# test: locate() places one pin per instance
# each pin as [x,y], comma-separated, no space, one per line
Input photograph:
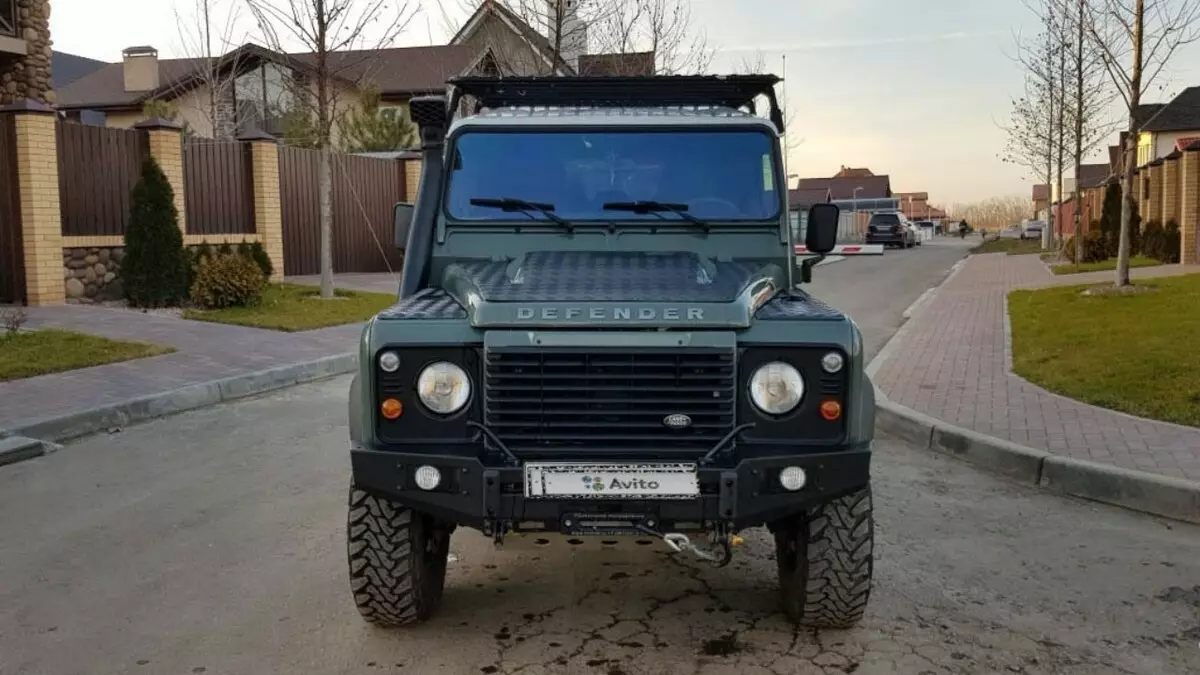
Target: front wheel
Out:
[825,559]
[397,559]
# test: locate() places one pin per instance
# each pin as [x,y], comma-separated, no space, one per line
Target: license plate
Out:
[610,481]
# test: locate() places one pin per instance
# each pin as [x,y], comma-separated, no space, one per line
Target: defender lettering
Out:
[612,313]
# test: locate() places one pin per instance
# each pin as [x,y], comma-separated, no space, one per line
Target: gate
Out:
[12,253]
[365,191]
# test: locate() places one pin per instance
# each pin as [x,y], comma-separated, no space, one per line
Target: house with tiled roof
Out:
[801,199]
[850,188]
[252,87]
[1169,127]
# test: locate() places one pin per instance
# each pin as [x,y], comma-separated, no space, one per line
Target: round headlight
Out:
[389,362]
[444,388]
[832,362]
[776,388]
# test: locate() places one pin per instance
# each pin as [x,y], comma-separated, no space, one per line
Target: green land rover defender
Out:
[600,339]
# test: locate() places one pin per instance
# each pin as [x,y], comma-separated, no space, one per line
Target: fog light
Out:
[428,477]
[792,478]
[832,362]
[831,410]
[391,409]
[389,362]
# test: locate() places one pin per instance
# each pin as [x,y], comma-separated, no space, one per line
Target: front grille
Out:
[602,399]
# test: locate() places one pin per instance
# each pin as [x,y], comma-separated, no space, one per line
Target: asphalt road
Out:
[875,291]
[213,542]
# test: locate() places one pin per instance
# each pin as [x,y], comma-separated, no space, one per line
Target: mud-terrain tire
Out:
[825,559]
[397,558]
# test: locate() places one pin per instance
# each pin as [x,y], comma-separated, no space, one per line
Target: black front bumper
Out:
[487,497]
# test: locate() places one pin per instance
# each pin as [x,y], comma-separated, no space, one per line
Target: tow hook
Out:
[719,556]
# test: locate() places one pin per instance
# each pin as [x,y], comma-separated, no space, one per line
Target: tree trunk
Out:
[324,168]
[1131,143]
[1079,137]
[1127,197]
[1048,231]
[1062,127]
[325,199]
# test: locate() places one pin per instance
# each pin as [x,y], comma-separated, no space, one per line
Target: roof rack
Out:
[731,91]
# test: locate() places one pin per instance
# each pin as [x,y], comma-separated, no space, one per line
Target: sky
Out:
[916,89]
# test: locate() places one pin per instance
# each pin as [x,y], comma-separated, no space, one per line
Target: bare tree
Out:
[1029,132]
[1091,97]
[663,27]
[1035,132]
[990,214]
[333,33]
[1136,40]
[209,35]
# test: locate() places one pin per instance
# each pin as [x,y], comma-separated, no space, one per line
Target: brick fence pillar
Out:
[166,147]
[1189,208]
[41,211]
[268,210]
[1170,188]
[1154,205]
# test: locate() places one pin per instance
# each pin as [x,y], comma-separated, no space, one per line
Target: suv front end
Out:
[596,366]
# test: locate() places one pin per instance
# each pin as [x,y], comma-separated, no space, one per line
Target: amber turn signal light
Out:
[391,409]
[831,410]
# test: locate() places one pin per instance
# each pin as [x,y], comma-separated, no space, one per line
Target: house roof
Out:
[847,172]
[634,63]
[1181,114]
[915,196]
[66,68]
[540,43]
[873,187]
[807,197]
[1092,175]
[397,71]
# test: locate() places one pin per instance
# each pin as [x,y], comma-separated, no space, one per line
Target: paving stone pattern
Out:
[205,352]
[952,360]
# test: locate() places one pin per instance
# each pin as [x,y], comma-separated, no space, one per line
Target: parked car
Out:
[890,228]
[1032,229]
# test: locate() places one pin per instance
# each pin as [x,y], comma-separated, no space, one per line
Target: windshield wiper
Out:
[643,207]
[524,206]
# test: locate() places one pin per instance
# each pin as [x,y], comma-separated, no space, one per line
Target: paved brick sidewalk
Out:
[205,352]
[952,361]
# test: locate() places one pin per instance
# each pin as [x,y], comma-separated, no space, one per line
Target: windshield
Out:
[885,219]
[718,175]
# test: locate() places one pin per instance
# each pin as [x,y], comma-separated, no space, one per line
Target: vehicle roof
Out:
[714,116]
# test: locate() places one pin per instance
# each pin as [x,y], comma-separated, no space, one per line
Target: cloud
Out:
[863,42]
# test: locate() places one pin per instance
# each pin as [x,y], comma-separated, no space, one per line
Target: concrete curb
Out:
[54,430]
[1164,496]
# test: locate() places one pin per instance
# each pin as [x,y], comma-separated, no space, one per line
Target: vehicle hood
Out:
[611,288]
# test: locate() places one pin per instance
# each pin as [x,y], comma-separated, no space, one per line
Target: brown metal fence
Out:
[12,257]
[218,184]
[97,170]
[365,191]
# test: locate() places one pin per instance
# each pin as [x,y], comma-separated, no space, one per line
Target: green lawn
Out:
[1009,246]
[1132,353]
[49,350]
[292,307]
[1103,265]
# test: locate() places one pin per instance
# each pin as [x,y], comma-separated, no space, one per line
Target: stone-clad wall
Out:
[29,76]
[93,274]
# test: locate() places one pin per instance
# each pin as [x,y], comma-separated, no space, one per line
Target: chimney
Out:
[141,68]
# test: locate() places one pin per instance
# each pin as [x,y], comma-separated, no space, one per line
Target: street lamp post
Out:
[855,198]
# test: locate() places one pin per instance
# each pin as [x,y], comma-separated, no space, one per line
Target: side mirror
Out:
[402,223]
[822,228]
